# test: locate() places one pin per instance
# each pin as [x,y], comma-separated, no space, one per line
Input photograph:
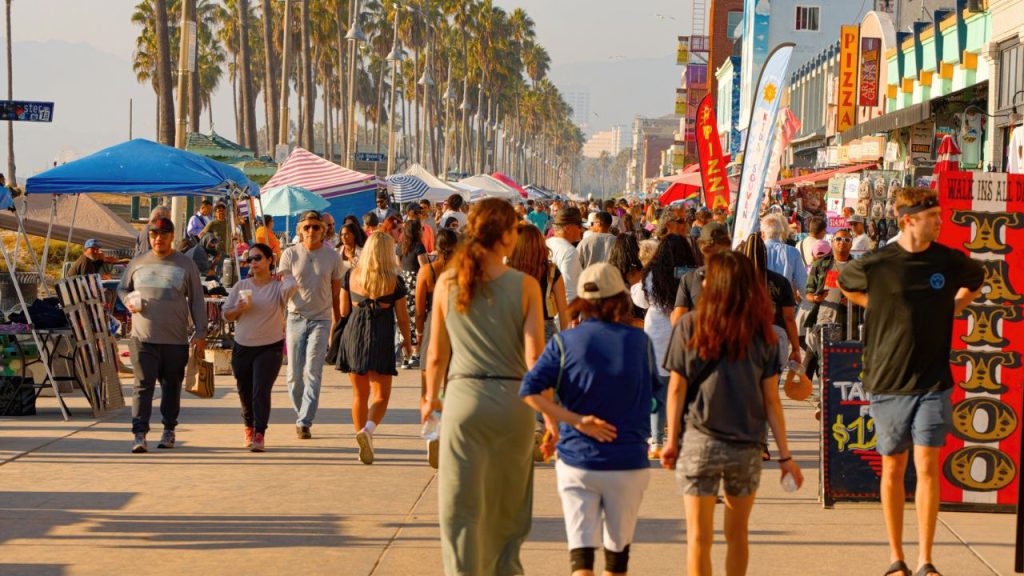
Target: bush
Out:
[54,258]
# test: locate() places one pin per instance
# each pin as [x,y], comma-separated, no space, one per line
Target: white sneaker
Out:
[365,441]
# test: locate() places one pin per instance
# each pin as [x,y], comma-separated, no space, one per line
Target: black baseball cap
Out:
[161,225]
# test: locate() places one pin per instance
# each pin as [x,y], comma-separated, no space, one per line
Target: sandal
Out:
[898,567]
[926,569]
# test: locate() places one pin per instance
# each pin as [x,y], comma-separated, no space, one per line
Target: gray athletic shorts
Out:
[906,420]
[706,462]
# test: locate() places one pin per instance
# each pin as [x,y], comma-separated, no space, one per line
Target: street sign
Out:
[371,157]
[21,111]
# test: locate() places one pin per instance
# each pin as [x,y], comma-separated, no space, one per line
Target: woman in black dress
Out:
[412,254]
[373,295]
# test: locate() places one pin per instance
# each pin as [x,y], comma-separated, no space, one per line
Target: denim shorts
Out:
[706,461]
[906,420]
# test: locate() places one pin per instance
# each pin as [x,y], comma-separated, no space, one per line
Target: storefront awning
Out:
[892,121]
[824,175]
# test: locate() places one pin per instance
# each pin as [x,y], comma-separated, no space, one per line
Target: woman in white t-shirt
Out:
[257,306]
[455,203]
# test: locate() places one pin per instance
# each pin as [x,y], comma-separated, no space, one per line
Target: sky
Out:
[77,54]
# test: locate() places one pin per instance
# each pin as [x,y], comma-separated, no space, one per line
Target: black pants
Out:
[256,368]
[158,362]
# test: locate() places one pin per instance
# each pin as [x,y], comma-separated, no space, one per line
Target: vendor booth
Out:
[348,191]
[136,167]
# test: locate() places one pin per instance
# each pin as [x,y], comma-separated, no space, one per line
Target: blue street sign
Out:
[371,157]
[21,111]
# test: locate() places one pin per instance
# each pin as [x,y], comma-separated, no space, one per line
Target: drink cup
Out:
[246,295]
[133,300]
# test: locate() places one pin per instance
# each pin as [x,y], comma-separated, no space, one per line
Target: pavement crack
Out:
[969,547]
[408,517]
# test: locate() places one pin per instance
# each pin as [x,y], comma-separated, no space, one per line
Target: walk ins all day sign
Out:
[983,215]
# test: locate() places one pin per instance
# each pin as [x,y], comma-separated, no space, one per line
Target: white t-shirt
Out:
[313,271]
[861,243]
[565,257]
[460,216]
[263,324]
[657,322]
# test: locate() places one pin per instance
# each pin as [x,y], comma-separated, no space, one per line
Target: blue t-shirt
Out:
[539,219]
[609,373]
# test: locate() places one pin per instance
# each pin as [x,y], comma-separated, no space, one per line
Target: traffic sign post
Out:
[23,111]
[371,157]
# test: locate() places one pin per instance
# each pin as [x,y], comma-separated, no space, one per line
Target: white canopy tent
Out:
[439,190]
[492,187]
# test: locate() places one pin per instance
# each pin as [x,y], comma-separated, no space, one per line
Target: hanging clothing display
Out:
[972,126]
[1015,151]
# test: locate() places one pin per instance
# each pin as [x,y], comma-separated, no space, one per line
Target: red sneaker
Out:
[249,432]
[257,443]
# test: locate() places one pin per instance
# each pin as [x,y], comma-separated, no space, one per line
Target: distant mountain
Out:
[622,89]
[90,90]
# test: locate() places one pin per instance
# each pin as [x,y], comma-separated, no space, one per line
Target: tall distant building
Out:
[611,141]
[578,99]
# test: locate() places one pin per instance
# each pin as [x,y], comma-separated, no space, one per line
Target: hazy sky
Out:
[572,30]
[91,90]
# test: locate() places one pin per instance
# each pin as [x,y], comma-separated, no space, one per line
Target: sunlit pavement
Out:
[73,500]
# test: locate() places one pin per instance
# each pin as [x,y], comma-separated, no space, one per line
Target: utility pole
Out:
[286,72]
[186,63]
[395,58]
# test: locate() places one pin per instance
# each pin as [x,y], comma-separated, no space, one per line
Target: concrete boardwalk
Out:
[74,501]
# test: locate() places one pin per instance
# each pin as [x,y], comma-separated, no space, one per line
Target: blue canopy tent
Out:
[143,167]
[137,167]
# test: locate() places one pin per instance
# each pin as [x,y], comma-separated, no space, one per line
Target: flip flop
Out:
[927,569]
[898,567]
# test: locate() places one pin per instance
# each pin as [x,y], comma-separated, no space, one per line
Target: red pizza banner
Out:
[983,215]
[709,151]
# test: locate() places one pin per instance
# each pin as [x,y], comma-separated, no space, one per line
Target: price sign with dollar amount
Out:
[851,467]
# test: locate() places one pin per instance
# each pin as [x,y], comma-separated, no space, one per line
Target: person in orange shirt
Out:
[270,239]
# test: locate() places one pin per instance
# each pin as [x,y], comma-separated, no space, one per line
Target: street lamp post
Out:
[395,58]
[354,36]
[427,82]
[449,97]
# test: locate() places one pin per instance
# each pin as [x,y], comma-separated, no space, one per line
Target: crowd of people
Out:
[597,331]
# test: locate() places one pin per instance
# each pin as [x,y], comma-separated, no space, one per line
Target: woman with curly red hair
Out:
[486,332]
[724,365]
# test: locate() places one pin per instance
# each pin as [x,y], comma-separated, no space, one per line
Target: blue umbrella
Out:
[405,188]
[291,200]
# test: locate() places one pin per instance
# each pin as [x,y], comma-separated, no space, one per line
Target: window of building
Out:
[1011,71]
[735,25]
[807,18]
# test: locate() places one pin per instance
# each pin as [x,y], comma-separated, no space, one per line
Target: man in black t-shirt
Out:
[912,289]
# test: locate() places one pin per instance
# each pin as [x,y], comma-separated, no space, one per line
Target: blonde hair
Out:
[647,250]
[377,269]
[910,197]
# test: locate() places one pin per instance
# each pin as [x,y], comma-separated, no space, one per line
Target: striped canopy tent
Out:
[348,191]
[404,188]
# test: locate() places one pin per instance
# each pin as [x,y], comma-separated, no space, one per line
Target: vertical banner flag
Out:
[870,56]
[847,109]
[760,134]
[709,152]
[789,125]
[683,50]
[983,215]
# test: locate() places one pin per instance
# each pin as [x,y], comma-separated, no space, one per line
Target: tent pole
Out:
[71,230]
[46,244]
[43,354]
[232,223]
[28,245]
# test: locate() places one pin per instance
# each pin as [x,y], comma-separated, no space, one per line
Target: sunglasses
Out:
[255,259]
[843,240]
[313,227]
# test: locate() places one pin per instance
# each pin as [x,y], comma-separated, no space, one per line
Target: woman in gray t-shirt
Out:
[724,374]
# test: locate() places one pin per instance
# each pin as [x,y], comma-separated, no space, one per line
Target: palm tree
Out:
[270,77]
[248,96]
[165,89]
[308,89]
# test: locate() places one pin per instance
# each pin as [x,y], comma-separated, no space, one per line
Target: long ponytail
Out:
[489,219]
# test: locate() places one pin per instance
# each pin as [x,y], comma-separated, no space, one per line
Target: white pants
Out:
[600,503]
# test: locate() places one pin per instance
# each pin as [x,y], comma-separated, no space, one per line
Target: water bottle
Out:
[789,483]
[432,427]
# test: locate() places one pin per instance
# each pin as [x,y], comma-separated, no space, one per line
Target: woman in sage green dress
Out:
[487,330]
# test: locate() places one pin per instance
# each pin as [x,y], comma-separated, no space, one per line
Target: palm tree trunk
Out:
[416,103]
[342,25]
[163,72]
[380,106]
[286,69]
[195,103]
[308,90]
[270,96]
[12,177]
[239,125]
[248,96]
